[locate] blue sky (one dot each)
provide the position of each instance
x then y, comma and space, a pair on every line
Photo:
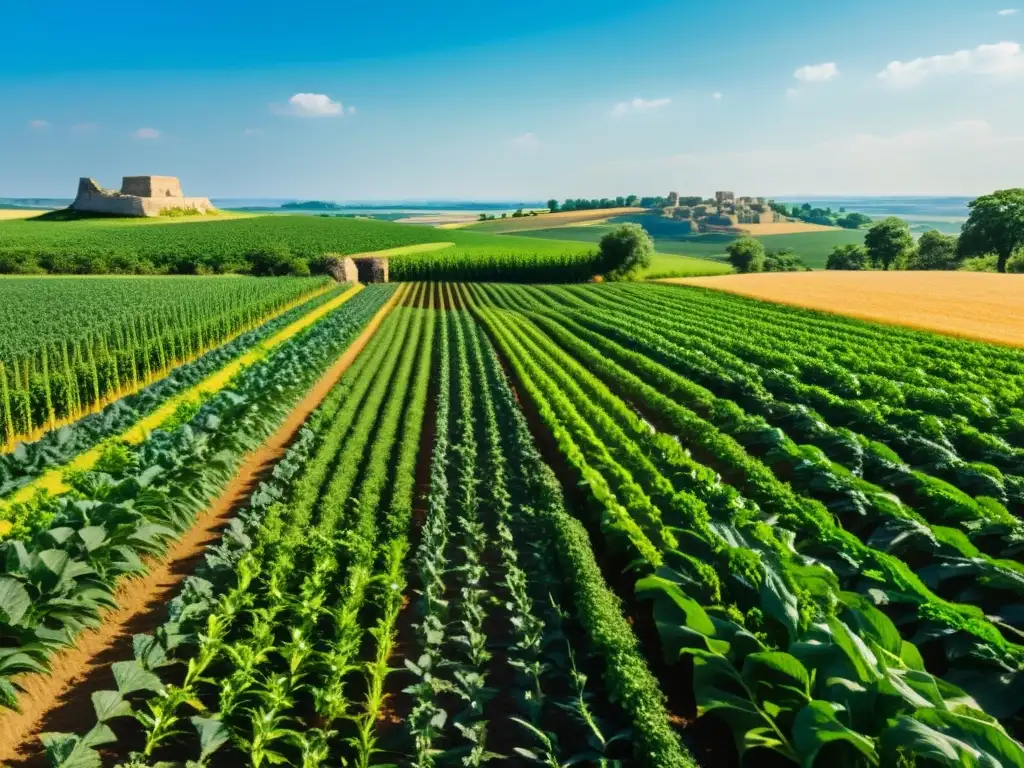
502, 100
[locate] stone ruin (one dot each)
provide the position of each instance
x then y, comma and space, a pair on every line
365, 269
139, 196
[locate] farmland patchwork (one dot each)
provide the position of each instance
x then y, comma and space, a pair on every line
623, 524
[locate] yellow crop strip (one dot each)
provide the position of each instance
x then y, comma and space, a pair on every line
52, 481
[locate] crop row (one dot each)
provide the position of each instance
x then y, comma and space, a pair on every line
798, 633
59, 446
69, 346
321, 631
139, 498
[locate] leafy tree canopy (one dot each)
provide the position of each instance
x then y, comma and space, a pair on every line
625, 251
890, 243
848, 257
935, 251
746, 254
995, 225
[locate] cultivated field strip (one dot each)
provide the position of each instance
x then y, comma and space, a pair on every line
68, 347
176, 396
336, 624
58, 580
749, 576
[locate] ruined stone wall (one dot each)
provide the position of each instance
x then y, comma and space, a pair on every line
92, 198
151, 186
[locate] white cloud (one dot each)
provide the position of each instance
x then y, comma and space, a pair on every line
252, 132
1007, 12
817, 73
38, 125
717, 95
351, 110
638, 105
80, 128
526, 141
999, 59
310, 105
147, 133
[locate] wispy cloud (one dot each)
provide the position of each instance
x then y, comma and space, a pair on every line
817, 73
526, 141
252, 132
147, 134
38, 125
638, 105
311, 105
995, 60
928, 157
717, 96
1008, 12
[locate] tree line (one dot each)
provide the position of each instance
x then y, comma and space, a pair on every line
991, 240
823, 216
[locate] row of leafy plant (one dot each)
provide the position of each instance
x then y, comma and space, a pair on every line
265, 649
528, 658
850, 472
753, 585
986, 656
68, 346
57, 580
57, 447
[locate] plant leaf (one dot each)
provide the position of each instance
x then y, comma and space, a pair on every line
816, 726
14, 601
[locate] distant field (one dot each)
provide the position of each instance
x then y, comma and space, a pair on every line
674, 265
812, 247
548, 220
975, 305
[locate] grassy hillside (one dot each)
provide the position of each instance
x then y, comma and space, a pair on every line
812, 247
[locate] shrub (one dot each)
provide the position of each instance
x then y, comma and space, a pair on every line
747, 255
1015, 263
624, 251
987, 263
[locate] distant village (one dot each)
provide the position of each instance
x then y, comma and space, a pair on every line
724, 212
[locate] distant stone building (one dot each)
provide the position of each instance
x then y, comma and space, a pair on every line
724, 197
139, 196
673, 198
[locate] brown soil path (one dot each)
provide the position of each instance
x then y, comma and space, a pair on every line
973, 305
60, 700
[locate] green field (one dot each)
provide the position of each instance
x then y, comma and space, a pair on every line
812, 247
280, 244
261, 245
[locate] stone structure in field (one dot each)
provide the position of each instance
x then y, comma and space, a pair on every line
365, 269
139, 196
372, 269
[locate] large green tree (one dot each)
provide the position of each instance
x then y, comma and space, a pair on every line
995, 225
889, 243
625, 251
746, 254
935, 251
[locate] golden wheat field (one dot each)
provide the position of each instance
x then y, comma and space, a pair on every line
974, 305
